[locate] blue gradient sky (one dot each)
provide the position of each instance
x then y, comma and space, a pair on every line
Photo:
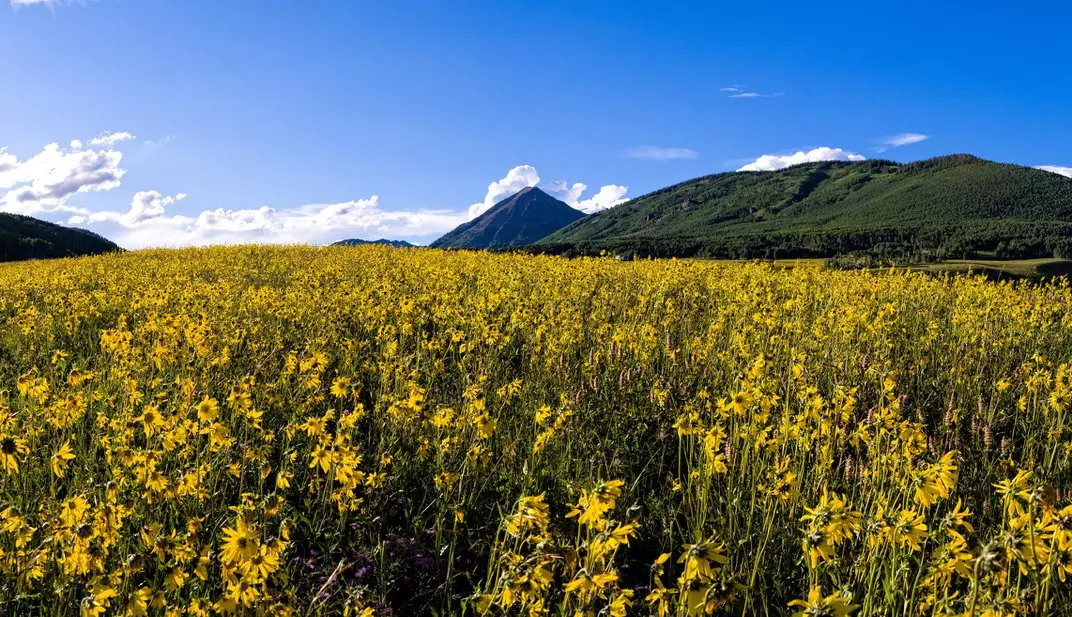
280, 120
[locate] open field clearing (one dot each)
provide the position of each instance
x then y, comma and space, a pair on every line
1035, 269
373, 431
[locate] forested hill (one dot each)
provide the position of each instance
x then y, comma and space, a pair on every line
24, 237
951, 206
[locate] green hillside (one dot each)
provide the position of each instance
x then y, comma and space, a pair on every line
24, 237
951, 206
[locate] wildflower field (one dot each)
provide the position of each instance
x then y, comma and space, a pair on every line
375, 431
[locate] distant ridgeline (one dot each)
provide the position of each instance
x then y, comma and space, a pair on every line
946, 207
24, 237
359, 241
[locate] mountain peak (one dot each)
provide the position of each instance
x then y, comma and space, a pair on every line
529, 194
520, 219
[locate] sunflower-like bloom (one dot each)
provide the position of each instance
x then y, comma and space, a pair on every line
909, 530
11, 449
240, 544
532, 513
703, 560
833, 605
61, 459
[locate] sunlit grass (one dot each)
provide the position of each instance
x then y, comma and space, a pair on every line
370, 430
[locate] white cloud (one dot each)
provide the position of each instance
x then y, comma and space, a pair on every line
8, 163
146, 206
658, 153
48, 3
48, 179
608, 196
524, 176
571, 194
738, 91
46, 182
755, 95
1063, 171
146, 224
108, 138
772, 162
904, 139
156, 143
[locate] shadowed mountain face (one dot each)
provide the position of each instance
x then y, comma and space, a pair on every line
521, 219
359, 241
957, 204
24, 237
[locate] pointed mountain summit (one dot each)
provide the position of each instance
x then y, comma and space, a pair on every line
523, 218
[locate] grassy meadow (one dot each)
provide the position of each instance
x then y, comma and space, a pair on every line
999, 270
376, 431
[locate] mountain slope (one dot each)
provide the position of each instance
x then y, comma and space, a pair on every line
359, 241
955, 204
518, 220
24, 237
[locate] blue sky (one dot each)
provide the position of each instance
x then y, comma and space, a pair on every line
283, 121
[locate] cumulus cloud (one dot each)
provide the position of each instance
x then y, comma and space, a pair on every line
524, 176
1062, 171
8, 163
659, 153
148, 205
903, 139
147, 223
108, 138
145, 207
47, 180
571, 194
772, 162
520, 177
607, 196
